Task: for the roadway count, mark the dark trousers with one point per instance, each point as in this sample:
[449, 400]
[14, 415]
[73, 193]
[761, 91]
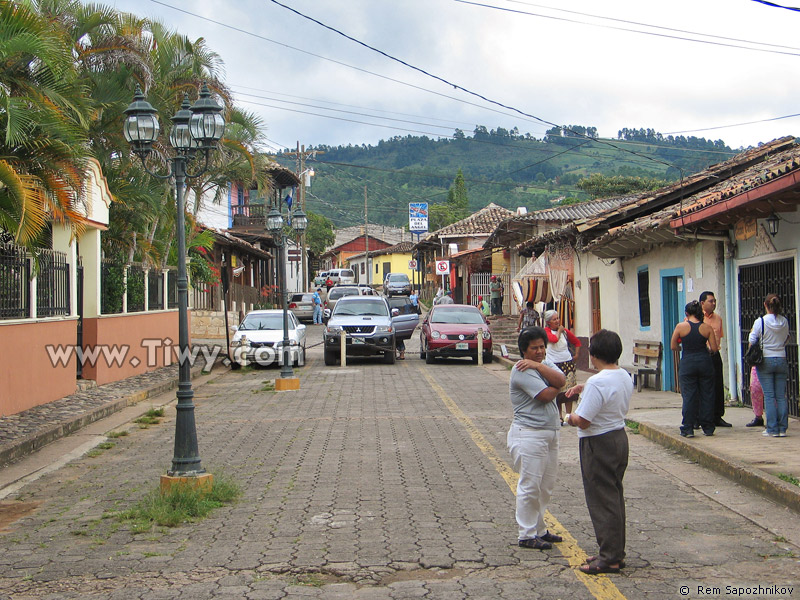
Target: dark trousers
[719, 387]
[604, 459]
[497, 306]
[696, 376]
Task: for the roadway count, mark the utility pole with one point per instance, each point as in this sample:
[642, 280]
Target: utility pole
[301, 155]
[366, 236]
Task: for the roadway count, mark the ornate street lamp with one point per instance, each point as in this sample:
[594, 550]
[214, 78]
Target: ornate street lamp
[195, 128]
[299, 222]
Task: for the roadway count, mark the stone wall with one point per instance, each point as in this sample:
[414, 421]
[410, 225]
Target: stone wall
[210, 325]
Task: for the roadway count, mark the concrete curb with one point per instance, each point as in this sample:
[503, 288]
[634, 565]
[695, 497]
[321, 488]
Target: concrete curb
[41, 438]
[768, 485]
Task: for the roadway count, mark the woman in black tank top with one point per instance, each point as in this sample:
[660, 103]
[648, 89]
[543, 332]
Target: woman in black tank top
[696, 372]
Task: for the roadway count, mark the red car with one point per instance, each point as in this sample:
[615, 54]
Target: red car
[450, 330]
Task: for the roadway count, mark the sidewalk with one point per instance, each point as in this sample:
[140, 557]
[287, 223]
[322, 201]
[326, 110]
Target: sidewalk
[739, 453]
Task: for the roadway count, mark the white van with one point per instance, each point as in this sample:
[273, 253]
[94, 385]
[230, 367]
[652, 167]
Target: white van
[342, 276]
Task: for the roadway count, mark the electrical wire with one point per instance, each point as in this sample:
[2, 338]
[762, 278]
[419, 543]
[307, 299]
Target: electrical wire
[651, 33]
[773, 5]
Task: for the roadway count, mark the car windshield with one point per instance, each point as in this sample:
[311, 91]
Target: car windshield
[263, 322]
[399, 278]
[369, 308]
[337, 293]
[457, 316]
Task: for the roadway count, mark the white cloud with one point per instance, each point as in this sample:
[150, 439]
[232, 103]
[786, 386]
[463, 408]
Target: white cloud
[562, 72]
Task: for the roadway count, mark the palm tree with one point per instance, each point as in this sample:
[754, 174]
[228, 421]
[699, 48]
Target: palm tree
[43, 118]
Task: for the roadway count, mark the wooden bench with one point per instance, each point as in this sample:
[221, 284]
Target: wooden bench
[646, 361]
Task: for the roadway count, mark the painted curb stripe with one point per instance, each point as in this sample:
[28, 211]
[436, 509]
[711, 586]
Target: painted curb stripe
[600, 586]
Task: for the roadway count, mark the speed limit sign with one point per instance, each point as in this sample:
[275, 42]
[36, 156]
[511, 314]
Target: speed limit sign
[442, 267]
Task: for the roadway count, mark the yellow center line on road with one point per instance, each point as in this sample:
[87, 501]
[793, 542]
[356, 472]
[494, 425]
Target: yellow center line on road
[600, 586]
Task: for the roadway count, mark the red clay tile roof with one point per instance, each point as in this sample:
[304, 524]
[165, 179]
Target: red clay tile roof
[482, 222]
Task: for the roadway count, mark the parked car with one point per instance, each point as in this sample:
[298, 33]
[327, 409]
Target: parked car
[320, 279]
[335, 294]
[450, 330]
[406, 319]
[342, 276]
[302, 305]
[396, 283]
[367, 323]
[259, 339]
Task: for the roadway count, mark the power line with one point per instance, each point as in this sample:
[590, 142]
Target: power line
[651, 33]
[773, 5]
[445, 81]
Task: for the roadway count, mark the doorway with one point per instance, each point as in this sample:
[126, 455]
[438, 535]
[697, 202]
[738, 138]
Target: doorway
[673, 301]
[755, 282]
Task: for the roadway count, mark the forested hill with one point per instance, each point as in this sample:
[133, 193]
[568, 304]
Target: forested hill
[501, 166]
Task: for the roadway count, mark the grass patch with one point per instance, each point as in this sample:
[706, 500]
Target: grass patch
[308, 579]
[789, 479]
[269, 386]
[182, 504]
[116, 434]
[151, 417]
[632, 425]
[106, 445]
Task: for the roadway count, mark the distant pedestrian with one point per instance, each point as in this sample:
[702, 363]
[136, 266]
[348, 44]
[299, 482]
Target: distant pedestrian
[496, 295]
[773, 331]
[328, 284]
[756, 399]
[533, 437]
[528, 317]
[317, 320]
[696, 371]
[483, 306]
[603, 445]
[414, 297]
[562, 347]
[447, 298]
[709, 304]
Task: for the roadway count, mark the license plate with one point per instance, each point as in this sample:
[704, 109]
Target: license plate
[358, 340]
[462, 346]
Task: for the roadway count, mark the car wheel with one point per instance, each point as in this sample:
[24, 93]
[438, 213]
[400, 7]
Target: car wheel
[487, 358]
[389, 356]
[301, 357]
[429, 357]
[330, 358]
[474, 359]
[422, 352]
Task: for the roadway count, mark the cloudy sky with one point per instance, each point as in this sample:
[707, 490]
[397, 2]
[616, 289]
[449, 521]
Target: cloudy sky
[612, 64]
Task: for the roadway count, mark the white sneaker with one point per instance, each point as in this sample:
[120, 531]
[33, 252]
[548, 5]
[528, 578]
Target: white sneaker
[782, 434]
[765, 433]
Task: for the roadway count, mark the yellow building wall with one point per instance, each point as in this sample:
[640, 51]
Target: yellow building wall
[399, 264]
[500, 265]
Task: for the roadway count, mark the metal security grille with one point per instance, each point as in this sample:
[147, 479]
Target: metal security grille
[15, 274]
[755, 282]
[155, 289]
[52, 284]
[135, 288]
[172, 289]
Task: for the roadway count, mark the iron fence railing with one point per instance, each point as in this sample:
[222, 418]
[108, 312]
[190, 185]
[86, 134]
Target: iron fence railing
[172, 288]
[15, 279]
[52, 284]
[155, 289]
[134, 288]
[112, 286]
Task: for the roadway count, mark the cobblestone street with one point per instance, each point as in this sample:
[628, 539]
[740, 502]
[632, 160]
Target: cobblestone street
[375, 481]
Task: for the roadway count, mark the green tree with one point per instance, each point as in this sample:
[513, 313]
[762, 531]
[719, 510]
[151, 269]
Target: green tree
[456, 207]
[319, 233]
[43, 119]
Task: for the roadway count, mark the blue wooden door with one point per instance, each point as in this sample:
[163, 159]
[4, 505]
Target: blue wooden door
[673, 301]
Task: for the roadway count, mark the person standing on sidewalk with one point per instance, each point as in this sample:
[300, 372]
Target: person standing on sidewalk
[696, 371]
[603, 445]
[756, 399]
[527, 317]
[317, 320]
[773, 370]
[533, 437]
[558, 350]
[496, 295]
[709, 304]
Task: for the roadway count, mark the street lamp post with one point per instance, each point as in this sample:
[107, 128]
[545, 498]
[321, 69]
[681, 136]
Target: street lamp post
[195, 128]
[299, 222]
